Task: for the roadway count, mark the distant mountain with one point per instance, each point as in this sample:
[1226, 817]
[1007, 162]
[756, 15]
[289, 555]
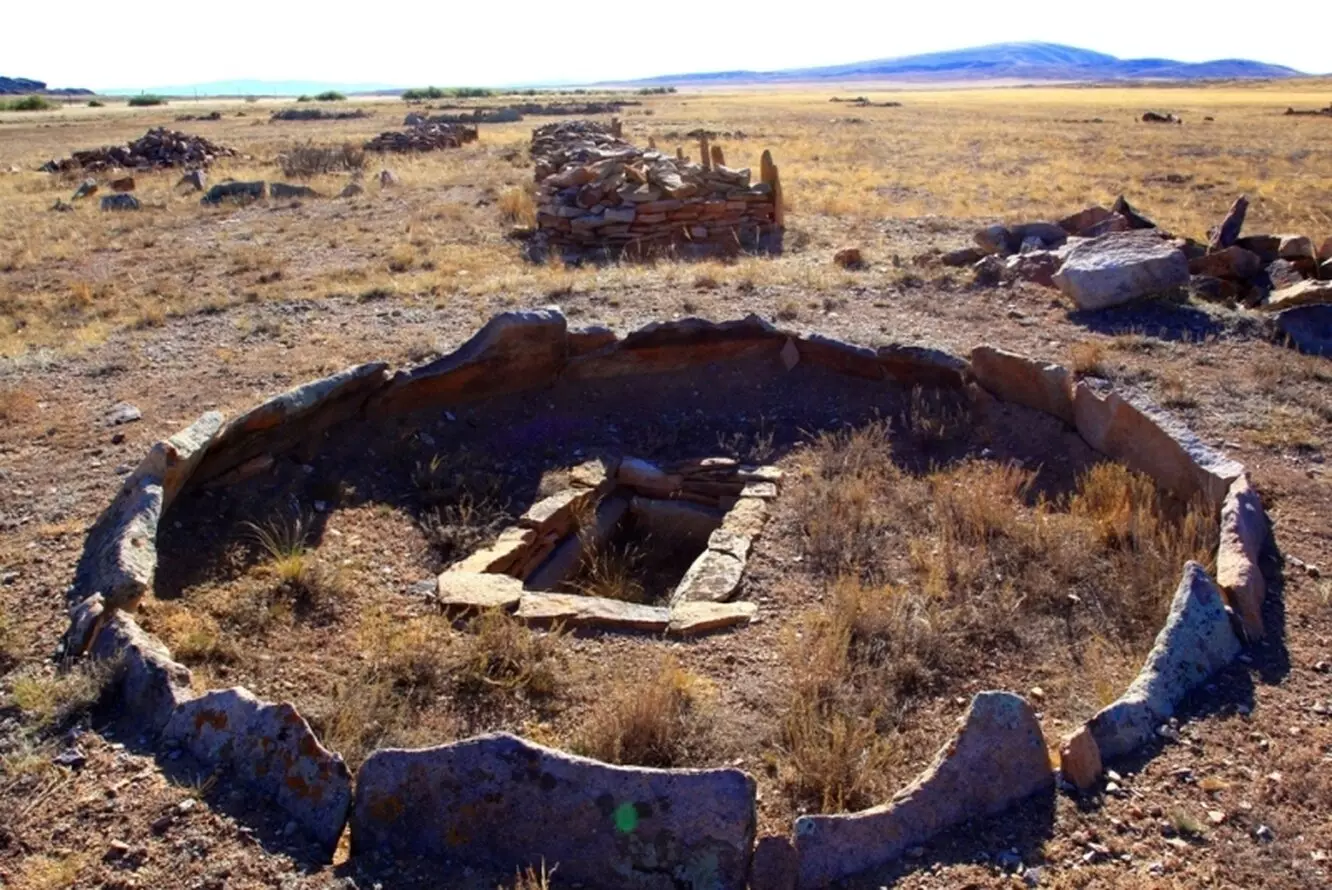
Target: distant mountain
[255, 88]
[10, 86]
[999, 61]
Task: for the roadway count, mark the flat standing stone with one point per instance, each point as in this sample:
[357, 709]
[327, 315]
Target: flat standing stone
[504, 556]
[573, 610]
[694, 617]
[713, 577]
[997, 758]
[270, 748]
[477, 591]
[502, 803]
[1243, 532]
[747, 517]
[1196, 642]
[1032, 384]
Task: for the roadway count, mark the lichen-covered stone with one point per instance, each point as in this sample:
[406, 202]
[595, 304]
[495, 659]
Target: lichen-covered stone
[712, 577]
[1196, 642]
[271, 749]
[746, 517]
[502, 803]
[1146, 439]
[997, 758]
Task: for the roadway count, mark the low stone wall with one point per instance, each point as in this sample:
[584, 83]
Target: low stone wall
[599, 197]
[639, 827]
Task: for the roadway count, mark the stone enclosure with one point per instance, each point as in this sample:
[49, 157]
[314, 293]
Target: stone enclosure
[599, 198]
[490, 801]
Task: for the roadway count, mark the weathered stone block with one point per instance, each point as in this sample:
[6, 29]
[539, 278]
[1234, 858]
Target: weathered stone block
[149, 683]
[502, 803]
[1014, 378]
[1243, 531]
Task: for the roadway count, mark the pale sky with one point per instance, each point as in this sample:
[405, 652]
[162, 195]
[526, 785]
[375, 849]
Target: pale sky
[522, 41]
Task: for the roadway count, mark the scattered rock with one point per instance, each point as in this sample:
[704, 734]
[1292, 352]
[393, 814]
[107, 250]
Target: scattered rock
[387, 179]
[997, 758]
[575, 610]
[1155, 117]
[849, 258]
[1243, 532]
[492, 801]
[1305, 293]
[157, 148]
[120, 202]
[1080, 759]
[86, 188]
[1036, 266]
[1120, 267]
[1229, 231]
[965, 256]
[469, 592]
[283, 191]
[123, 184]
[123, 412]
[238, 192]
[1309, 328]
[1295, 247]
[1232, 262]
[195, 179]
[351, 190]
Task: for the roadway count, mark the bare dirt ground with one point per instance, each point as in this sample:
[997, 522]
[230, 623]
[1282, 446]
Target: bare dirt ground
[178, 310]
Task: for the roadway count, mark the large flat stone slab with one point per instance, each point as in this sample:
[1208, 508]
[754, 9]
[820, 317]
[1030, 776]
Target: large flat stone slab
[1306, 293]
[997, 758]
[712, 577]
[1243, 532]
[271, 749]
[515, 351]
[1147, 439]
[675, 345]
[690, 618]
[1196, 642]
[574, 610]
[1014, 378]
[119, 558]
[502, 803]
[465, 592]
[1119, 267]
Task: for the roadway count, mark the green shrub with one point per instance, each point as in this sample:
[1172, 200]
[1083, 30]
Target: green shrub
[303, 99]
[28, 103]
[146, 99]
[330, 96]
[93, 103]
[420, 94]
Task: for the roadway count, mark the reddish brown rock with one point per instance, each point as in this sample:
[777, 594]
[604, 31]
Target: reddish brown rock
[671, 346]
[1015, 378]
[1232, 262]
[1305, 293]
[849, 258]
[1229, 231]
[1080, 759]
[1080, 222]
[839, 356]
[1243, 531]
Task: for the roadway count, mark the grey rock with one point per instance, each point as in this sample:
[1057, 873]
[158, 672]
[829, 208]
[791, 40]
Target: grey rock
[1120, 267]
[282, 191]
[271, 749]
[1196, 642]
[239, 192]
[149, 684]
[1048, 235]
[62, 207]
[123, 412]
[994, 240]
[351, 190]
[964, 256]
[195, 179]
[86, 188]
[1309, 328]
[997, 758]
[502, 803]
[119, 557]
[115, 203]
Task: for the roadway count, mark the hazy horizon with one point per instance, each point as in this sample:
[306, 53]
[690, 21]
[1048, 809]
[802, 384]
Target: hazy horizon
[402, 45]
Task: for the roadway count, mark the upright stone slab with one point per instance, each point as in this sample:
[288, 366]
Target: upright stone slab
[1196, 642]
[119, 559]
[500, 802]
[997, 758]
[1309, 328]
[1243, 531]
[1014, 378]
[663, 347]
[270, 748]
[1149, 440]
[149, 683]
[515, 351]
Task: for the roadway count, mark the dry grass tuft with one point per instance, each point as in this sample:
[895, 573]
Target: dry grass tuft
[664, 722]
[611, 572]
[310, 587]
[16, 405]
[9, 644]
[51, 699]
[500, 653]
[310, 160]
[517, 206]
[532, 879]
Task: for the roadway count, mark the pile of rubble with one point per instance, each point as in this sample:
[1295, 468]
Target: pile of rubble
[475, 116]
[599, 197]
[158, 148]
[1316, 112]
[1101, 258]
[318, 114]
[429, 137]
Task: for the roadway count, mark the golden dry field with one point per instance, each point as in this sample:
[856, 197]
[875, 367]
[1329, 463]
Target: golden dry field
[924, 546]
[1008, 154]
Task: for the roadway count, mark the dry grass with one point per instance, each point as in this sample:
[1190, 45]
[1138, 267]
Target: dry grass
[500, 653]
[1088, 359]
[664, 722]
[303, 582]
[612, 572]
[309, 160]
[517, 206]
[46, 872]
[947, 574]
[50, 699]
[9, 642]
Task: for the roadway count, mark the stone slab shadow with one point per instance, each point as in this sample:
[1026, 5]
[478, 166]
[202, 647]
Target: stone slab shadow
[690, 828]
